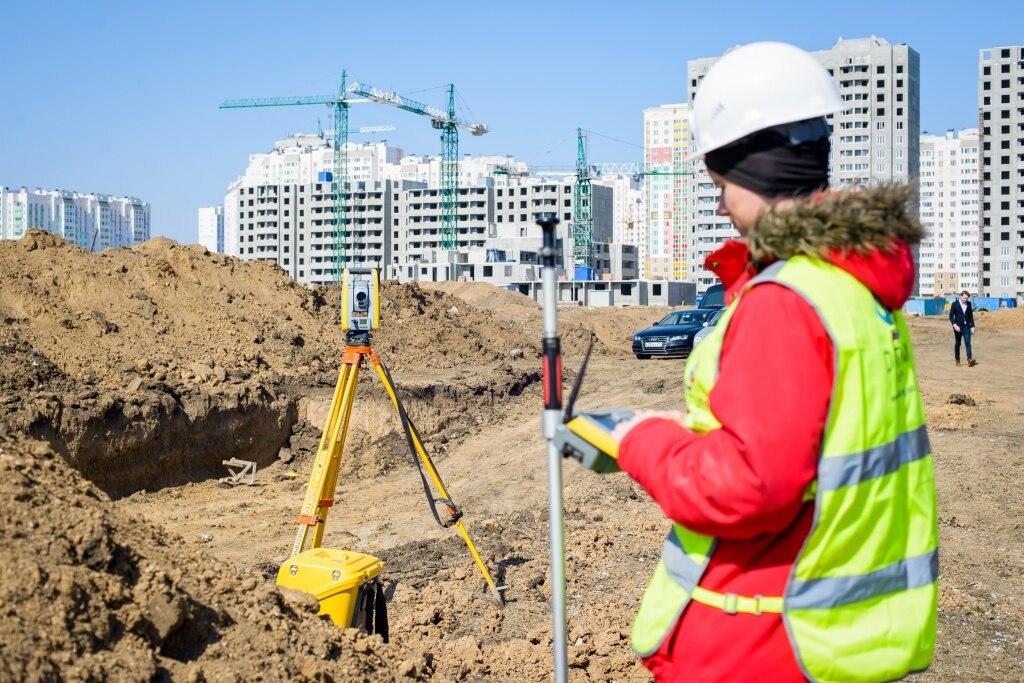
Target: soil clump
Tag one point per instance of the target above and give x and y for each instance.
(90, 593)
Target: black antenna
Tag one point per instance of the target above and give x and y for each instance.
(579, 380)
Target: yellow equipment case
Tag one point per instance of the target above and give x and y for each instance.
(336, 578)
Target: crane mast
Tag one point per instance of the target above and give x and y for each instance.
(449, 176)
(339, 184)
(582, 220)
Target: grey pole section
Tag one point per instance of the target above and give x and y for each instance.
(552, 417)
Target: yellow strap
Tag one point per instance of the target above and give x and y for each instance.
(730, 603)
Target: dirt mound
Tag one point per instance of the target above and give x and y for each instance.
(1003, 319)
(612, 327)
(90, 593)
(89, 314)
(497, 300)
(148, 366)
(428, 328)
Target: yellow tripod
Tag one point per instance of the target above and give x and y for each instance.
(308, 570)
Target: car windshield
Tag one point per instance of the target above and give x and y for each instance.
(714, 297)
(716, 317)
(685, 318)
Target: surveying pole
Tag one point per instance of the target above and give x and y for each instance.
(552, 418)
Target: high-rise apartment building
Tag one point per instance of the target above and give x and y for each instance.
(1001, 124)
(300, 164)
(665, 242)
(282, 210)
(211, 228)
(292, 224)
(950, 255)
(627, 205)
(498, 240)
(92, 221)
(874, 140)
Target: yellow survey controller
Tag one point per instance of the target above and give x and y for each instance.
(587, 437)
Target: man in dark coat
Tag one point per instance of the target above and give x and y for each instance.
(961, 316)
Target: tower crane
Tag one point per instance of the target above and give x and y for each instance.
(448, 123)
(339, 178)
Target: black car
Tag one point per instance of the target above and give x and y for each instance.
(672, 335)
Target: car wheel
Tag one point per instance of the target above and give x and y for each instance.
(643, 356)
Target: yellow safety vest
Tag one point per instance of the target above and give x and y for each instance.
(861, 602)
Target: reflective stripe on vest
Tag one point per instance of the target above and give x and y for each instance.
(846, 470)
(861, 602)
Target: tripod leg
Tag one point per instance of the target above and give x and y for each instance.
(337, 446)
(435, 477)
(313, 513)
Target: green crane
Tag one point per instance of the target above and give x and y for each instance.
(448, 123)
(582, 220)
(339, 178)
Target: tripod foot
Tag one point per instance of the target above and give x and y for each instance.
(498, 593)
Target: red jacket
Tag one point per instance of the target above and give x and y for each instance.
(744, 482)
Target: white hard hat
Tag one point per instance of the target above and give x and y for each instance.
(759, 86)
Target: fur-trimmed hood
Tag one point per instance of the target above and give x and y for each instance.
(867, 232)
(854, 220)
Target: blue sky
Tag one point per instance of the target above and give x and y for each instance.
(121, 97)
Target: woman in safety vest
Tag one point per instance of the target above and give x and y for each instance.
(800, 481)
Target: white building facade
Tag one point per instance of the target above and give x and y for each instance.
(874, 140)
(627, 206)
(91, 221)
(301, 161)
(281, 210)
(665, 243)
(498, 239)
(950, 254)
(211, 228)
(1001, 119)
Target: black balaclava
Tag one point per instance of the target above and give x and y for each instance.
(783, 161)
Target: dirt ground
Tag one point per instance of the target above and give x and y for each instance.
(465, 359)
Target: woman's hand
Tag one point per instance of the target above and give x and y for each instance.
(623, 428)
